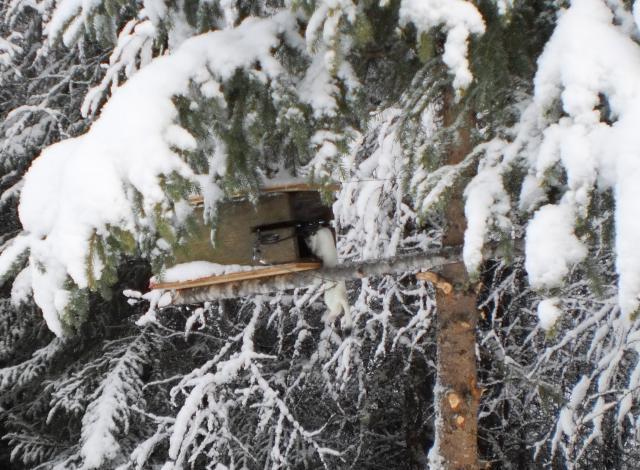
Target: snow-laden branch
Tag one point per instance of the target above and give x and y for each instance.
(21, 374)
(590, 68)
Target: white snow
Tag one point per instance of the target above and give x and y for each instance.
(487, 204)
(588, 57)
(323, 26)
(531, 194)
(372, 201)
(68, 19)
(322, 244)
(459, 18)
(21, 289)
(132, 52)
(591, 67)
(328, 72)
(317, 88)
(548, 313)
(157, 298)
(579, 392)
(551, 246)
(12, 253)
(504, 6)
(199, 269)
(109, 412)
(636, 13)
(8, 51)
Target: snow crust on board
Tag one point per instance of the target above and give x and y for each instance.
(80, 186)
(199, 269)
(587, 59)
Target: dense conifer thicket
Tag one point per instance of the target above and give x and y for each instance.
(114, 112)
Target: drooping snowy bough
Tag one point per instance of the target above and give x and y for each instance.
(117, 181)
(577, 134)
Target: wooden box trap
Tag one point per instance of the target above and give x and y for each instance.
(250, 240)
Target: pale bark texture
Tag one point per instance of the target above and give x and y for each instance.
(457, 393)
(343, 272)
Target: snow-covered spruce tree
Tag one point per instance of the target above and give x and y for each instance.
(77, 392)
(428, 153)
(382, 96)
(504, 63)
(519, 136)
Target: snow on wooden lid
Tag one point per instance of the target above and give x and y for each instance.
(289, 185)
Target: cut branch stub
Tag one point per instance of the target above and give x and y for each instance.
(437, 280)
(454, 400)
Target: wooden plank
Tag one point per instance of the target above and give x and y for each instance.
(258, 273)
(234, 240)
(293, 187)
(281, 188)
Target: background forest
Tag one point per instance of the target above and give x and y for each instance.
(133, 105)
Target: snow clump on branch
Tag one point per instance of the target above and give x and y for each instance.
(460, 20)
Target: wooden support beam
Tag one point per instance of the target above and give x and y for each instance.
(401, 264)
(428, 261)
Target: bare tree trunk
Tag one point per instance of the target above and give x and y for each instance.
(457, 394)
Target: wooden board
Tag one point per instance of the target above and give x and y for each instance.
(234, 240)
(258, 273)
(292, 187)
(281, 188)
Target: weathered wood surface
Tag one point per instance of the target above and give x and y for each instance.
(234, 239)
(282, 188)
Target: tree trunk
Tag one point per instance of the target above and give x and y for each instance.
(457, 394)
